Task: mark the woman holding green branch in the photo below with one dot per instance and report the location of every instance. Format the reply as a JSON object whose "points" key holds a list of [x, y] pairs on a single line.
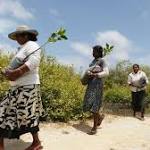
{"points": [[94, 92], [21, 108]]}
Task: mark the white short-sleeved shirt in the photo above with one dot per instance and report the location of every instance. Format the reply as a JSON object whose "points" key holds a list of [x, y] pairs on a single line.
{"points": [[135, 77], [33, 61]]}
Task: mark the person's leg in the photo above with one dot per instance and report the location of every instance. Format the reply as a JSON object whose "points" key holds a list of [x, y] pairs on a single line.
{"points": [[142, 103], [36, 140], [95, 122], [1, 144], [96, 118], [133, 103], [142, 113], [100, 119], [36, 144]]}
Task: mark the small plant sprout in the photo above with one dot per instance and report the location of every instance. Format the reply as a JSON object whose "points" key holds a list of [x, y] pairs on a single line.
{"points": [[107, 49]]}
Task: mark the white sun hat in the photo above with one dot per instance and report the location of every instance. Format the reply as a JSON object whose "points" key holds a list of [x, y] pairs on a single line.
{"points": [[22, 29]]}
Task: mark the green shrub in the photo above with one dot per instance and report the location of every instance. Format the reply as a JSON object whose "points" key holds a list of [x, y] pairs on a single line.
{"points": [[147, 99], [4, 85], [117, 94], [62, 92]]}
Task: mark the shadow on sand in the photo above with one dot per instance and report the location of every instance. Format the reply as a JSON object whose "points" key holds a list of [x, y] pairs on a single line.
{"points": [[16, 144], [82, 126]]}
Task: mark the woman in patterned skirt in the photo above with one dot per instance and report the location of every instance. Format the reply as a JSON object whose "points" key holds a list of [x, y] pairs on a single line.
{"points": [[21, 108], [94, 92]]}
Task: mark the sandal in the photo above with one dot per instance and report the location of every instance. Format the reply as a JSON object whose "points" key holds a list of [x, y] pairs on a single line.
{"points": [[38, 147], [142, 119], [92, 132], [100, 119]]}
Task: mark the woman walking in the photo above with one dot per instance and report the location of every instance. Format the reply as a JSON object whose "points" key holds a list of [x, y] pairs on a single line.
{"points": [[21, 108], [137, 81], [94, 92]]}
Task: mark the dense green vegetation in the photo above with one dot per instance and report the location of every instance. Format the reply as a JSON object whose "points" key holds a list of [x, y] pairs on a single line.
{"points": [[62, 92]]}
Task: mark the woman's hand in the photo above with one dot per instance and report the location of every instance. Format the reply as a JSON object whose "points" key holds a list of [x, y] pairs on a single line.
{"points": [[131, 84], [11, 75], [91, 74]]}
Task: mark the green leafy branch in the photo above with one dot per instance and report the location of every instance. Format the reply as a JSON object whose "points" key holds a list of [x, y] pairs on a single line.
{"points": [[107, 49], [58, 35]]}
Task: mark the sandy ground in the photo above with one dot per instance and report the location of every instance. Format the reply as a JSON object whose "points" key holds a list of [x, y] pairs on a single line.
{"points": [[115, 133]]}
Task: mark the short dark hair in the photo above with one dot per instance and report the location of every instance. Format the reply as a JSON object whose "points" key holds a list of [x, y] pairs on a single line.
{"points": [[136, 65], [99, 49]]}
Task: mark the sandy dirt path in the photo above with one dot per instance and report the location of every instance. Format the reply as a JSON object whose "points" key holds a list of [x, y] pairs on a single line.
{"points": [[115, 133]]}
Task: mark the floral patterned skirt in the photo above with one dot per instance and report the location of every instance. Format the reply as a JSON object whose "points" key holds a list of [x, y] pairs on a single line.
{"points": [[93, 96], [20, 110]]}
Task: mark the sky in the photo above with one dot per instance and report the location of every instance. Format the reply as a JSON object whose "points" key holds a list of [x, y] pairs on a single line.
{"points": [[122, 23]]}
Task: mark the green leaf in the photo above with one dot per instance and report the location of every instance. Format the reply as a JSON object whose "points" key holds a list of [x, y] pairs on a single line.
{"points": [[111, 47], [58, 35], [53, 34], [107, 49], [64, 37], [107, 45], [61, 31], [59, 38]]}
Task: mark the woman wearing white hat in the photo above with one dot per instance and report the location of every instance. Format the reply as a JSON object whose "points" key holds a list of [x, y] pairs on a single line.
{"points": [[21, 107]]}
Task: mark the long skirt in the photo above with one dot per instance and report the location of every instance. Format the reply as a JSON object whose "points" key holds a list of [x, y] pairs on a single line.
{"points": [[20, 111], [138, 101], [93, 96]]}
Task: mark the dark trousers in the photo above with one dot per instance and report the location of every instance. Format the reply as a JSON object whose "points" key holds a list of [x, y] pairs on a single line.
{"points": [[138, 101]]}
